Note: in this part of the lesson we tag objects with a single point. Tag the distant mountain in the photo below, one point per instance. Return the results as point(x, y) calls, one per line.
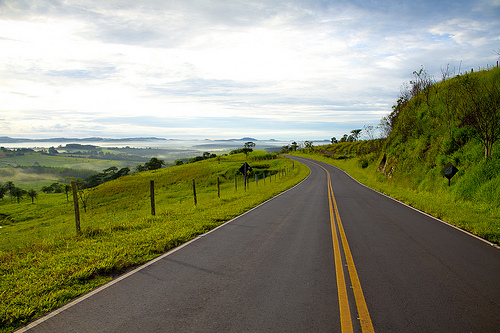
point(6, 139)
point(242, 139)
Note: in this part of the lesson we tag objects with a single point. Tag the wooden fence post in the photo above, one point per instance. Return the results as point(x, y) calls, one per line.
point(194, 192)
point(152, 195)
point(77, 207)
point(218, 187)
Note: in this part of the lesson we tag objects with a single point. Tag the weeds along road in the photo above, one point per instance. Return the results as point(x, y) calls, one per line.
point(274, 269)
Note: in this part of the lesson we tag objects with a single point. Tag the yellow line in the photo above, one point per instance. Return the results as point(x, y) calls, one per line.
point(363, 314)
point(345, 313)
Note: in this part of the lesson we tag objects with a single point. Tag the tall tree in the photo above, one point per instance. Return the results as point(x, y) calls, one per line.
point(9, 186)
point(18, 193)
point(480, 107)
point(32, 194)
point(154, 164)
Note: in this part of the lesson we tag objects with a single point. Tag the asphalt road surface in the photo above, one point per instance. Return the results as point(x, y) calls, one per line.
point(274, 269)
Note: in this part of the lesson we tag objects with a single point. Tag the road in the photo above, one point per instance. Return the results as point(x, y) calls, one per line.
point(274, 269)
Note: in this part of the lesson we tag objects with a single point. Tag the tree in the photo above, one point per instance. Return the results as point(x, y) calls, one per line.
point(3, 191)
point(32, 194)
point(18, 193)
point(369, 132)
point(384, 127)
point(249, 144)
point(83, 193)
point(480, 108)
point(9, 186)
point(67, 189)
point(334, 140)
point(355, 134)
point(154, 164)
point(422, 83)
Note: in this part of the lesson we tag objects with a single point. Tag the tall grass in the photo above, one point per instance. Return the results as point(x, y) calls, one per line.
point(43, 263)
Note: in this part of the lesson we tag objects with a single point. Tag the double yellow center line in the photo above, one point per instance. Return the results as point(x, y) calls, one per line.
point(345, 313)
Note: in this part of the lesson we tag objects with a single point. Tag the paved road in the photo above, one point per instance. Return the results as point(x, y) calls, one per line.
point(274, 269)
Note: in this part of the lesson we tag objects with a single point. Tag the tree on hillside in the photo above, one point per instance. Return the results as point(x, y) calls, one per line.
point(32, 194)
point(369, 132)
point(3, 191)
point(9, 187)
point(422, 83)
point(18, 193)
point(355, 134)
point(154, 164)
point(67, 189)
point(480, 108)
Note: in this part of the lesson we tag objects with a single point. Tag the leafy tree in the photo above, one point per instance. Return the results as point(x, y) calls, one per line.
point(9, 186)
point(480, 107)
point(18, 193)
point(3, 191)
point(249, 144)
point(355, 134)
point(334, 140)
point(154, 164)
point(67, 189)
point(32, 194)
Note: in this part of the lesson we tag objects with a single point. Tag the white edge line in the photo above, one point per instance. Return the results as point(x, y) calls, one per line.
point(418, 210)
point(152, 261)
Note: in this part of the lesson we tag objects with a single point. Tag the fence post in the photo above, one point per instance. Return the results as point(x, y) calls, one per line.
point(218, 187)
point(152, 195)
point(77, 208)
point(194, 192)
point(256, 180)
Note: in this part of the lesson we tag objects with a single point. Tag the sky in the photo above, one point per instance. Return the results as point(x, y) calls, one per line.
point(214, 69)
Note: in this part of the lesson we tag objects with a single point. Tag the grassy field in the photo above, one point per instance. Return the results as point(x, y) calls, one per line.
point(479, 217)
point(62, 161)
point(44, 263)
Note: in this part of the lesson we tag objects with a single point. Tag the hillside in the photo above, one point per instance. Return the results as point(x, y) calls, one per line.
point(454, 121)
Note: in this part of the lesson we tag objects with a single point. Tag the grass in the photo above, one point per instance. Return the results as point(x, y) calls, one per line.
point(44, 263)
point(432, 196)
point(30, 158)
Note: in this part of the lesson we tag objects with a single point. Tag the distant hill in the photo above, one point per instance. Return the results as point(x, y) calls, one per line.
point(6, 139)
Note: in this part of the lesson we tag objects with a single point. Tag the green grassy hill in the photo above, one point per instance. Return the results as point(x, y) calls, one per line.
point(446, 122)
point(44, 263)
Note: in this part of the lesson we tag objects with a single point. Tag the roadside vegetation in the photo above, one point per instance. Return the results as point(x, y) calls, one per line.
point(44, 263)
point(457, 121)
